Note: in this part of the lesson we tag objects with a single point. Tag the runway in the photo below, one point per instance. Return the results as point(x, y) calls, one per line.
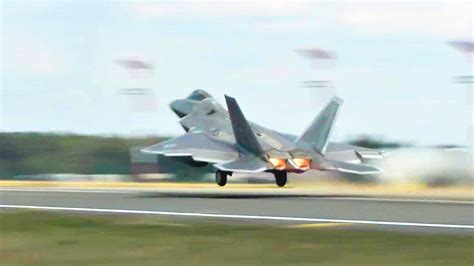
point(279, 209)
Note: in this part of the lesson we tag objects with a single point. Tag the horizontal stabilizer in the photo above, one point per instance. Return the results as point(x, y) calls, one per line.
point(370, 154)
point(247, 164)
point(360, 169)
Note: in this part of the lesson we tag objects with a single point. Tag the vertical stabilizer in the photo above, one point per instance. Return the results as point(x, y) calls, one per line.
point(243, 133)
point(318, 132)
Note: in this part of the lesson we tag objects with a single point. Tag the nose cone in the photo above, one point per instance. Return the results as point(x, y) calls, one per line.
point(181, 107)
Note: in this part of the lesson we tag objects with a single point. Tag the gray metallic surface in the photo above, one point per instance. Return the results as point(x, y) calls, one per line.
point(198, 145)
point(216, 135)
point(243, 133)
point(248, 164)
point(319, 131)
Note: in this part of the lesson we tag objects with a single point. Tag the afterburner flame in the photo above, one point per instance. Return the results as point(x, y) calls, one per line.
point(279, 164)
point(302, 164)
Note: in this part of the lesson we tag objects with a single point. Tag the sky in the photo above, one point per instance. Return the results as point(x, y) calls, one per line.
point(392, 65)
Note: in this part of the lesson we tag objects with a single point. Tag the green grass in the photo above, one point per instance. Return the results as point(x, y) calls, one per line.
point(40, 238)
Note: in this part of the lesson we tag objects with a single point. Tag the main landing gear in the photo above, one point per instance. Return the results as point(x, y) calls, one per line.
point(221, 177)
point(280, 178)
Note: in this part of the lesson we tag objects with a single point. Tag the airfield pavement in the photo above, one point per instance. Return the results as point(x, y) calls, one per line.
point(261, 204)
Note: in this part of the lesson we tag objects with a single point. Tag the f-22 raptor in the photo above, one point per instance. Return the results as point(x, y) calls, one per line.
point(231, 143)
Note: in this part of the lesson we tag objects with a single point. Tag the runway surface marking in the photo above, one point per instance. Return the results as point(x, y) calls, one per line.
point(239, 216)
point(164, 193)
point(319, 225)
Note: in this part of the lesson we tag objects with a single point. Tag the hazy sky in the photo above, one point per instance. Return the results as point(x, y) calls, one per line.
point(393, 67)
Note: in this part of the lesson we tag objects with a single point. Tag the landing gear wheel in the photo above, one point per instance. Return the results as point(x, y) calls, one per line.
point(221, 178)
point(281, 177)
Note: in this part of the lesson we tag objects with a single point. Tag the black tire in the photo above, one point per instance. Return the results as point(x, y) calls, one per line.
point(221, 178)
point(281, 177)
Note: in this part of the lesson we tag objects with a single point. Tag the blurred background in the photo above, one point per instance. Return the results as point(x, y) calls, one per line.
point(84, 84)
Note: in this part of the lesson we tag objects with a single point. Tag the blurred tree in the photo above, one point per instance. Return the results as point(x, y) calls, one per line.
point(44, 153)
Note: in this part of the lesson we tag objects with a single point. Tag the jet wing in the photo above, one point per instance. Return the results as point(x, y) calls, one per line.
point(199, 146)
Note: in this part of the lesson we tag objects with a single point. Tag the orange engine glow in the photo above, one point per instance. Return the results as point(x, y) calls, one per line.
point(303, 164)
point(279, 164)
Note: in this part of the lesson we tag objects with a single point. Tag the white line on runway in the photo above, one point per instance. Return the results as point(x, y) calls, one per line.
point(239, 216)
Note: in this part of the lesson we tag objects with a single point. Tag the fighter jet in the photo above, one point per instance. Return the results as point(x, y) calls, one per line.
point(232, 144)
